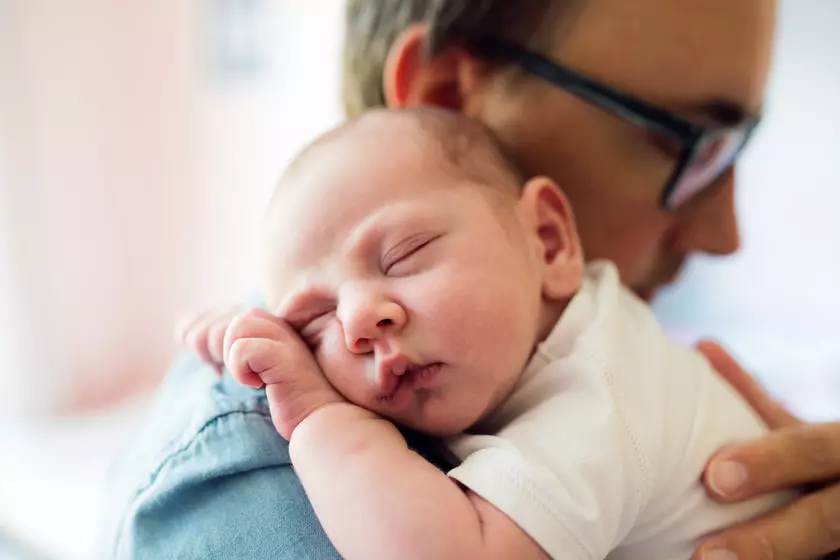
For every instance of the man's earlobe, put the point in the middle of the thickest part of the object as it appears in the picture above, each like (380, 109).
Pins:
(559, 244)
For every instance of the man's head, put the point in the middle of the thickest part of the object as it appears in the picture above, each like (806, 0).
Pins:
(405, 249)
(703, 60)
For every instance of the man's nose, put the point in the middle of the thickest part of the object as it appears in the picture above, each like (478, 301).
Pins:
(710, 225)
(367, 321)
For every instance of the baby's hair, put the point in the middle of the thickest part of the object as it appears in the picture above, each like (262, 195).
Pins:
(464, 145)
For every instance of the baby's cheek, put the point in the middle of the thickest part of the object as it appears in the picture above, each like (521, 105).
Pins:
(340, 366)
(329, 359)
(461, 321)
(494, 316)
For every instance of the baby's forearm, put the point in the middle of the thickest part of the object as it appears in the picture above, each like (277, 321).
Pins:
(374, 496)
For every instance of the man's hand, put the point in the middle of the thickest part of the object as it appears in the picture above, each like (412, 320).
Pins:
(263, 350)
(795, 454)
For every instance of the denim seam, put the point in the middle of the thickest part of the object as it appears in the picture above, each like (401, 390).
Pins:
(173, 455)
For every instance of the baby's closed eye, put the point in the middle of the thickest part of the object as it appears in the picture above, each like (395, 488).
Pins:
(400, 259)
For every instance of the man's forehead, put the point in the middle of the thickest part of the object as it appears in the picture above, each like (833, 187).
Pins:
(692, 54)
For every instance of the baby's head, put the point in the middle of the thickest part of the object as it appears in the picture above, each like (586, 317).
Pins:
(418, 265)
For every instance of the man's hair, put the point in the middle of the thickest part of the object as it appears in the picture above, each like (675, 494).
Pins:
(372, 27)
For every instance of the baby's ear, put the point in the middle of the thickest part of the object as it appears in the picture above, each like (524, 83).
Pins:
(547, 211)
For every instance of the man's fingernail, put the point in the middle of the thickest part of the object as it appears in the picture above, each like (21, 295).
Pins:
(726, 477)
(719, 554)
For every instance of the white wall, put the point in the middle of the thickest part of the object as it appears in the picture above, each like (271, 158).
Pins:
(14, 327)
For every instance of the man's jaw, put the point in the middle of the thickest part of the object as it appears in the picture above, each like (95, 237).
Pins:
(649, 289)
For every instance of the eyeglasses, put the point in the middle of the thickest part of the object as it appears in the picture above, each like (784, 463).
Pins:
(706, 152)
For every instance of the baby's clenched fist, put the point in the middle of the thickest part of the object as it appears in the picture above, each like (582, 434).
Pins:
(261, 349)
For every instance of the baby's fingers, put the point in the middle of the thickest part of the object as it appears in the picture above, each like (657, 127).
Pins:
(204, 333)
(216, 339)
(254, 323)
(249, 358)
(192, 331)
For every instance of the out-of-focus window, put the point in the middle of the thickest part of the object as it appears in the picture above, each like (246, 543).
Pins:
(140, 143)
(776, 304)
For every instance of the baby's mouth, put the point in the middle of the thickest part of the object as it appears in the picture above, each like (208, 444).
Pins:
(408, 378)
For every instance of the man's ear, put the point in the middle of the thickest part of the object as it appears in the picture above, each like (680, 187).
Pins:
(411, 78)
(547, 211)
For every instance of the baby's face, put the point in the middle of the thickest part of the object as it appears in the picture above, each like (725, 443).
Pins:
(419, 295)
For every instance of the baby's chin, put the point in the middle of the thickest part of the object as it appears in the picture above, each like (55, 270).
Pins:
(438, 424)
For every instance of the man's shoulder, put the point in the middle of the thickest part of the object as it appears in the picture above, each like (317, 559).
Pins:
(195, 413)
(202, 432)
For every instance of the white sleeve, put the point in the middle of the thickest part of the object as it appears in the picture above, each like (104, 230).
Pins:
(566, 470)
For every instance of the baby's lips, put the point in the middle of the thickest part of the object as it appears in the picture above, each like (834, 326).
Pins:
(388, 373)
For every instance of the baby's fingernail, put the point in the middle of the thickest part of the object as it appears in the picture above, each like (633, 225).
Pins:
(726, 477)
(719, 554)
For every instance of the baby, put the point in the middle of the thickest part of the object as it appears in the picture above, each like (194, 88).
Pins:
(418, 279)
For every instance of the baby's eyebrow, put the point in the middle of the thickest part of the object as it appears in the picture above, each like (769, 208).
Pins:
(392, 220)
(363, 239)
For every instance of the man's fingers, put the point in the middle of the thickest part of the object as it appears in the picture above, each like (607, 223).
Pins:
(797, 455)
(808, 528)
(774, 414)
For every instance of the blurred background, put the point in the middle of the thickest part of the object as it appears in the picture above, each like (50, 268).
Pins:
(138, 143)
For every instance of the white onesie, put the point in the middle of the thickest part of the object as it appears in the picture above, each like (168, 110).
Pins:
(599, 451)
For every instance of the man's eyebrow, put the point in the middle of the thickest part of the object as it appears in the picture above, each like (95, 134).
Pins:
(722, 111)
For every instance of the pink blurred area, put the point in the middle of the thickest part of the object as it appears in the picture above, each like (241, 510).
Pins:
(140, 141)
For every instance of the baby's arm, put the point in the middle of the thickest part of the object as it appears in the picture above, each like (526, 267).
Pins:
(374, 496)
(386, 501)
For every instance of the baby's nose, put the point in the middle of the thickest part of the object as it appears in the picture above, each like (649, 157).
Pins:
(367, 326)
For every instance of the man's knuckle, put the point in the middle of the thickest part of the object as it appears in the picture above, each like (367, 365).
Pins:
(766, 548)
(819, 449)
(829, 513)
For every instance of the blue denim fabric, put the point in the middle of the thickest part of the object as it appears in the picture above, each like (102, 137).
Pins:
(208, 477)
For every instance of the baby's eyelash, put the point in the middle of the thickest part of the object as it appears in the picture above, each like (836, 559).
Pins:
(405, 249)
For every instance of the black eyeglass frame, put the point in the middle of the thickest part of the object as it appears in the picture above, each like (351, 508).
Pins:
(629, 108)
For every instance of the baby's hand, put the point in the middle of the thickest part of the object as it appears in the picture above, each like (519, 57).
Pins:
(204, 333)
(263, 350)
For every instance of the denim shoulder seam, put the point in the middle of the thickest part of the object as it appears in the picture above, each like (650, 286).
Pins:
(170, 457)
